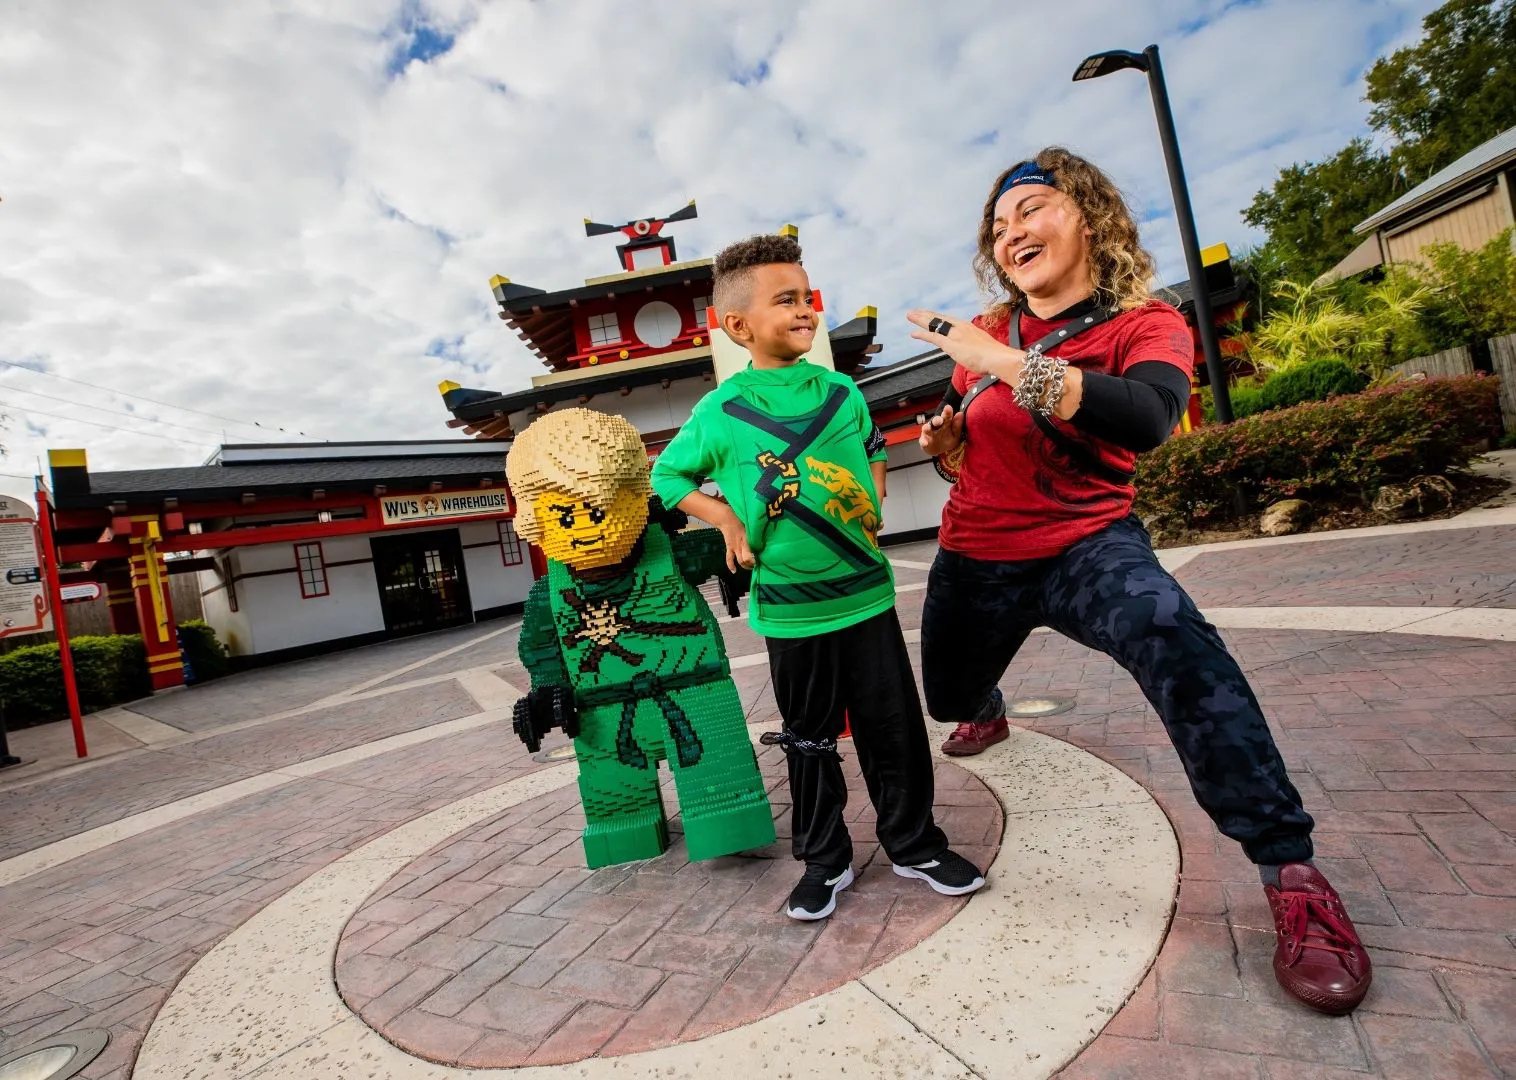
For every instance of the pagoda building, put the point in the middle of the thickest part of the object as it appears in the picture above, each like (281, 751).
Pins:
(636, 343)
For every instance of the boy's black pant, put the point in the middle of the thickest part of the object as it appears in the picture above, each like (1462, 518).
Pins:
(1109, 592)
(864, 671)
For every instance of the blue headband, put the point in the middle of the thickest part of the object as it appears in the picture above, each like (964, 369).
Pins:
(1028, 172)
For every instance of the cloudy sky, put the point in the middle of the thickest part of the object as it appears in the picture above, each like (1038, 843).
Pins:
(286, 212)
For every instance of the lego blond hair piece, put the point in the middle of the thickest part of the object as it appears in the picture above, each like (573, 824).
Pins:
(592, 455)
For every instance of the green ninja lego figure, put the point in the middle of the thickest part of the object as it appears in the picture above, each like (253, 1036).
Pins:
(624, 653)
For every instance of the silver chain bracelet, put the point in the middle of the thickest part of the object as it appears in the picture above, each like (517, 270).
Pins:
(1041, 385)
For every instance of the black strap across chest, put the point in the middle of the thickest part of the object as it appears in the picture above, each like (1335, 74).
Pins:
(1077, 452)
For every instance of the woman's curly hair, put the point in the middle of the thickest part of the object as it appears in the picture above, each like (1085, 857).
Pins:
(1119, 266)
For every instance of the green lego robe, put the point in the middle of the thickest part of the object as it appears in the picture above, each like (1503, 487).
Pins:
(641, 649)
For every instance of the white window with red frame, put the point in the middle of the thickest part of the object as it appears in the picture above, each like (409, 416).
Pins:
(510, 544)
(311, 564)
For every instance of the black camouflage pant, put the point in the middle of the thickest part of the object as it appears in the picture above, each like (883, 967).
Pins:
(1108, 592)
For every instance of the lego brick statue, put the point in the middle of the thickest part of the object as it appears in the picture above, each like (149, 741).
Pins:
(624, 653)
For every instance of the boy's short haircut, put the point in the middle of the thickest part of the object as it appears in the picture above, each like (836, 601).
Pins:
(736, 262)
(580, 452)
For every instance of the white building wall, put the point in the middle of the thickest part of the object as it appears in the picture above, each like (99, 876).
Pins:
(272, 615)
(916, 493)
(491, 583)
(283, 619)
(232, 627)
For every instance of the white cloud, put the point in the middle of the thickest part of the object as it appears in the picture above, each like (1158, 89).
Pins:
(238, 208)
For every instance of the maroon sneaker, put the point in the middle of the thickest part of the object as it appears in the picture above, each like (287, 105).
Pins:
(970, 739)
(1318, 958)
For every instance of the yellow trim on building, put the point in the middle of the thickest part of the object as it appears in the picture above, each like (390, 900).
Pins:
(498, 280)
(628, 275)
(558, 378)
(67, 459)
(1216, 253)
(867, 312)
(792, 231)
(447, 386)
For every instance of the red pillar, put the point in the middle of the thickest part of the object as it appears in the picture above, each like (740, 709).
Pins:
(155, 609)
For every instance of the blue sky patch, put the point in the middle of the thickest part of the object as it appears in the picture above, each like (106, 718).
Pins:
(753, 75)
(418, 41)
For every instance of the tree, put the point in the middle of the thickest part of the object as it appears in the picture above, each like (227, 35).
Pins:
(1310, 211)
(1432, 102)
(1451, 91)
(1473, 292)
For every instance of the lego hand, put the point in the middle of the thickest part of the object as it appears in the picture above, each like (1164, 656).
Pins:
(943, 432)
(542, 710)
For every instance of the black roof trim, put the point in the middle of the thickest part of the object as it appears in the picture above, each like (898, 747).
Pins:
(468, 404)
(283, 478)
(519, 300)
(923, 376)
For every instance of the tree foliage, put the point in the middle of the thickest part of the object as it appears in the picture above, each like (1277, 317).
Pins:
(1440, 98)
(1310, 211)
(1430, 103)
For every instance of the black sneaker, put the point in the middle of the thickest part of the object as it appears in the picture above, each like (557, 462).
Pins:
(949, 873)
(816, 895)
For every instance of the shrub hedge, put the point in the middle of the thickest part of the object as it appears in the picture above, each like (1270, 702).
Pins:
(107, 669)
(204, 651)
(1315, 381)
(1340, 450)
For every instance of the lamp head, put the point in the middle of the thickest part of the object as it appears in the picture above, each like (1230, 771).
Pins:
(1104, 63)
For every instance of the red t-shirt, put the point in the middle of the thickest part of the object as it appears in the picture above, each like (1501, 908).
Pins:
(1018, 495)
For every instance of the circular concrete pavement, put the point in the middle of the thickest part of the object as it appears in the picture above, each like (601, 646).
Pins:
(1013, 985)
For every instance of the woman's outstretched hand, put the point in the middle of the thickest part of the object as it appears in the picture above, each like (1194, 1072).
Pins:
(968, 345)
(942, 433)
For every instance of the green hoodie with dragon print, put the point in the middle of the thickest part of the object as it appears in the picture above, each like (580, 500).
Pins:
(790, 449)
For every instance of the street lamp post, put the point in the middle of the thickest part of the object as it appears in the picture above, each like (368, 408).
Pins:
(1115, 60)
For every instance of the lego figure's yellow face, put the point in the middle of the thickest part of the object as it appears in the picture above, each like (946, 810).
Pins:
(585, 536)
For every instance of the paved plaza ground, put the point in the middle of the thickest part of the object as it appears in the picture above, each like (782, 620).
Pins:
(349, 867)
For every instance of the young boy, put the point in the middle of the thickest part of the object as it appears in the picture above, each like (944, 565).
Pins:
(799, 463)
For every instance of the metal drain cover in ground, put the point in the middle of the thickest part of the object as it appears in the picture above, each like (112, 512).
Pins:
(557, 753)
(57, 1058)
(1039, 706)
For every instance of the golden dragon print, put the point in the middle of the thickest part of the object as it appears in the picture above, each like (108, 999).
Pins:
(849, 501)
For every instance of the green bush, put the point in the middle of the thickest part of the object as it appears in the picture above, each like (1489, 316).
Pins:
(1339, 450)
(204, 651)
(1246, 400)
(107, 671)
(1317, 380)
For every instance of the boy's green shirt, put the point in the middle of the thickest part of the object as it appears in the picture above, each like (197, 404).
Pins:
(790, 449)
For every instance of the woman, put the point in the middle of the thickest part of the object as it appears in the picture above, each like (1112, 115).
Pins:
(1057, 387)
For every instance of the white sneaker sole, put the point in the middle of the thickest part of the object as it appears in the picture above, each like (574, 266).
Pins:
(945, 890)
(831, 905)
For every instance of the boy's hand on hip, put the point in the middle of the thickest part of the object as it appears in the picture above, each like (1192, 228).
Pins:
(738, 553)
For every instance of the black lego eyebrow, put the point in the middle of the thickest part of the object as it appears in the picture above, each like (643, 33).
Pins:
(569, 509)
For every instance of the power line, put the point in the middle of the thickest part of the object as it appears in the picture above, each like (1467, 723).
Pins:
(155, 401)
(109, 427)
(117, 412)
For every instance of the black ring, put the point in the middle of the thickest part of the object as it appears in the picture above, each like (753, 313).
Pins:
(939, 326)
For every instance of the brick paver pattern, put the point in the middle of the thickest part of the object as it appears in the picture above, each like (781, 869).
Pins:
(1456, 568)
(1404, 748)
(501, 949)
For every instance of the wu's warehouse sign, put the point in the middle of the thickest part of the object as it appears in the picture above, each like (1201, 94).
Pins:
(409, 509)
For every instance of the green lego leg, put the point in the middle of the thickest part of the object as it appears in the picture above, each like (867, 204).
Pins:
(721, 798)
(623, 810)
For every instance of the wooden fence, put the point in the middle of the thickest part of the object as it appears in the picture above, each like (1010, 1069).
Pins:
(94, 617)
(1503, 359)
(1459, 361)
